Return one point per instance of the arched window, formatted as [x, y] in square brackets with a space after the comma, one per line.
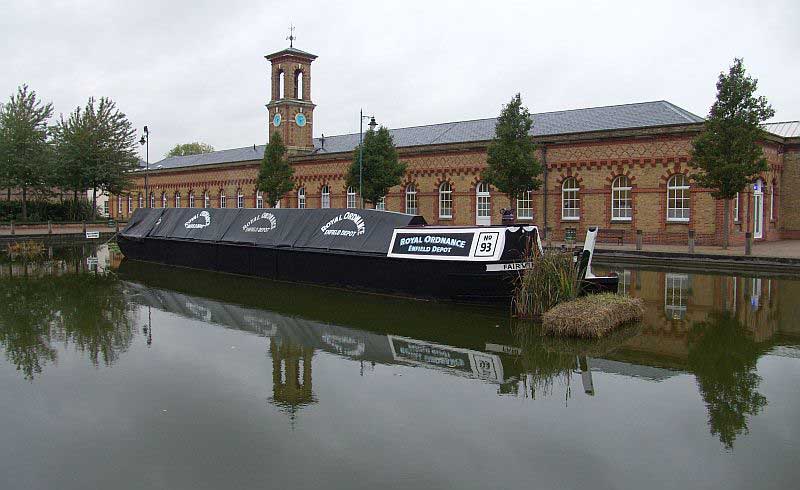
[298, 84]
[736, 207]
[445, 200]
[676, 295]
[177, 199]
[163, 199]
[130, 204]
[621, 201]
[139, 201]
[301, 198]
[281, 84]
[381, 204]
[152, 200]
[259, 200]
[190, 198]
[411, 199]
[239, 199]
[483, 200]
[570, 200]
[325, 202]
[119, 205]
[351, 197]
[222, 200]
[772, 201]
[525, 206]
[678, 198]
[206, 200]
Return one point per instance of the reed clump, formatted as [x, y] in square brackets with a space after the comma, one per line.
[592, 316]
[551, 279]
[27, 249]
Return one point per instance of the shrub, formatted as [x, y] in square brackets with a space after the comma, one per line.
[67, 210]
[553, 278]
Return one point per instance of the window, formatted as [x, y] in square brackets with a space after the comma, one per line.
[119, 205]
[621, 202]
[298, 84]
[570, 201]
[281, 84]
[190, 198]
[772, 202]
[525, 206]
[484, 204]
[325, 201]
[130, 204]
[676, 295]
[678, 198]
[381, 204]
[445, 200]
[139, 201]
[239, 199]
[222, 200]
[105, 208]
[163, 199]
[177, 199]
[351, 197]
[259, 200]
[411, 199]
[301, 198]
[736, 207]
[152, 200]
[206, 200]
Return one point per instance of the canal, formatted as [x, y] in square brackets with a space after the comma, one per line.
[116, 374]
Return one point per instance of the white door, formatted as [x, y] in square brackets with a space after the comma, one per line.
[758, 207]
[483, 211]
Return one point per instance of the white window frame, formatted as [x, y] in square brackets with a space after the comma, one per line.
[772, 201]
[381, 204]
[177, 199]
[130, 204]
[119, 205]
[190, 199]
[206, 200]
[140, 201]
[483, 201]
[163, 199]
[445, 200]
[351, 197]
[525, 205]
[676, 295]
[678, 193]
[301, 198]
[621, 195]
[259, 200]
[239, 199]
[152, 200]
[736, 208]
[223, 200]
[570, 200]
[105, 208]
[325, 197]
[411, 199]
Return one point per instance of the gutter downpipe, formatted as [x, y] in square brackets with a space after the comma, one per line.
[544, 189]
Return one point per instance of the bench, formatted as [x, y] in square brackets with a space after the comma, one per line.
[611, 234]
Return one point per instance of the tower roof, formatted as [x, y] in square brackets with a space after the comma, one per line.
[291, 51]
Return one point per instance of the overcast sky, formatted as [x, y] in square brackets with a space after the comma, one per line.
[194, 70]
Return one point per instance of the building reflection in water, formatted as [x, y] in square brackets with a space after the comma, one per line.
[292, 382]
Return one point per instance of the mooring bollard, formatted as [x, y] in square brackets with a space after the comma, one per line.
[49, 227]
[748, 243]
[12, 227]
[638, 239]
[691, 241]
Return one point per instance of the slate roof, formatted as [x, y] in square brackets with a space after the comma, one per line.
[627, 116]
[787, 129]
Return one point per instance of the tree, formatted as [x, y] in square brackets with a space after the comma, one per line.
[24, 147]
[379, 166]
[512, 166]
[96, 149]
[726, 155]
[275, 174]
[194, 148]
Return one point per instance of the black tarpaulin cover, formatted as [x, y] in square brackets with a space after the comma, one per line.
[141, 223]
[351, 230]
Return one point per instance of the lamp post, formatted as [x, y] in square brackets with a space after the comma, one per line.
[372, 125]
[146, 141]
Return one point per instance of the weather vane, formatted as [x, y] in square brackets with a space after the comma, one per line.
[291, 37]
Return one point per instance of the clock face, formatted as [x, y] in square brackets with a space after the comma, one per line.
[300, 119]
[276, 121]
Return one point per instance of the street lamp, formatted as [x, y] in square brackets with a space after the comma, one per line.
[146, 141]
[371, 125]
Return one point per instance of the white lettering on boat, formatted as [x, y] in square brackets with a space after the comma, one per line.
[269, 217]
[355, 218]
[189, 225]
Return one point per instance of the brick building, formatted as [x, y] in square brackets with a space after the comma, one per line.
[620, 167]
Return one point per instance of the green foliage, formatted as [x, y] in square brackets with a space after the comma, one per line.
[96, 148]
[723, 357]
[194, 148]
[39, 211]
[512, 166]
[552, 279]
[380, 167]
[25, 153]
[726, 155]
[275, 174]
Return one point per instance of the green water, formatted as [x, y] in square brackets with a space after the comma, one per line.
[144, 376]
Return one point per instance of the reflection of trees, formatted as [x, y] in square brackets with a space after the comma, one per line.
[87, 310]
[723, 357]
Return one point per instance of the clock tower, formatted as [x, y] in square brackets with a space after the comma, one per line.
[291, 112]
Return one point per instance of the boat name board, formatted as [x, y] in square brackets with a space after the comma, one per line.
[439, 244]
[511, 266]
